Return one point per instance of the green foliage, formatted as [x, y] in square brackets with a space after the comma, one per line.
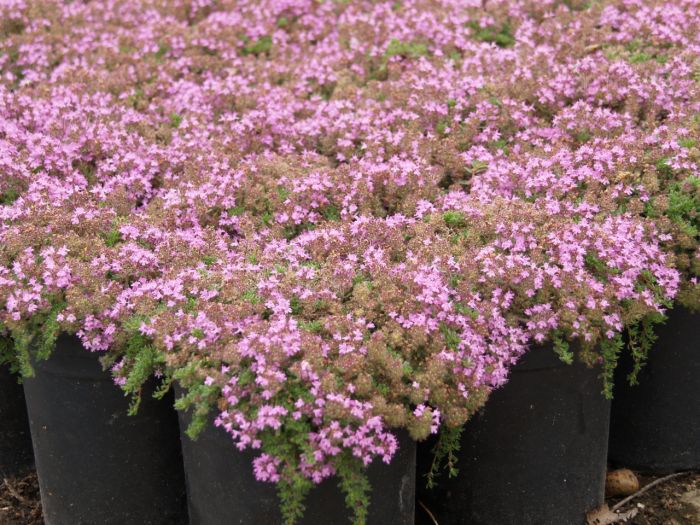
[452, 338]
[112, 238]
[8, 196]
[261, 46]
[577, 5]
[597, 267]
[406, 49]
[684, 204]
[190, 305]
[478, 166]
[378, 68]
[687, 143]
[21, 360]
[501, 144]
[331, 213]
[501, 37]
[236, 211]
[295, 305]
[162, 51]
[639, 57]
[582, 137]
[454, 219]
[355, 486]
[292, 491]
[251, 296]
[360, 278]
[288, 444]
[465, 310]
[267, 218]
[454, 280]
[36, 340]
[137, 99]
[663, 167]
[8, 353]
[175, 120]
[198, 398]
[445, 453]
[49, 331]
[562, 349]
[143, 359]
[610, 351]
[311, 326]
[641, 338]
[647, 281]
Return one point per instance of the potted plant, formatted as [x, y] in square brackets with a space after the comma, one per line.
[548, 425]
[82, 432]
[219, 480]
[653, 426]
[586, 150]
[330, 224]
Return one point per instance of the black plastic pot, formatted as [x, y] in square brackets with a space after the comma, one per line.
[96, 464]
[221, 487]
[655, 426]
[536, 453]
[16, 455]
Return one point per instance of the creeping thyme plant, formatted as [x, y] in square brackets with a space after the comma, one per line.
[332, 220]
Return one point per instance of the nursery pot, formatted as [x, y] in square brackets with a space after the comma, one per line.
[655, 425]
[221, 487]
[95, 463]
[535, 454]
[15, 441]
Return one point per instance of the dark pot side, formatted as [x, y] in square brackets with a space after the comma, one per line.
[221, 487]
[534, 455]
[95, 463]
[655, 425]
[16, 457]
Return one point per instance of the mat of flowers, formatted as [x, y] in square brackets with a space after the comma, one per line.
[330, 220]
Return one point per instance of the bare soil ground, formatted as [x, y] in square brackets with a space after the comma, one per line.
[19, 501]
[672, 502]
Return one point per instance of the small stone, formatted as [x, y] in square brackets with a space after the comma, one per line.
[621, 482]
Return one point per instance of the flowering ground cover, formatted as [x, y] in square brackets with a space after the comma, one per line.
[332, 220]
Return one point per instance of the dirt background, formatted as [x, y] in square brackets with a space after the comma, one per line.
[672, 502]
[19, 501]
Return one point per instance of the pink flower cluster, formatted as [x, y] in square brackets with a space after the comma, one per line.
[334, 219]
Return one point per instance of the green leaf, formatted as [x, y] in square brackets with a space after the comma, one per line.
[262, 45]
[112, 238]
[175, 120]
[454, 219]
[501, 37]
[561, 348]
[406, 49]
[610, 350]
[445, 451]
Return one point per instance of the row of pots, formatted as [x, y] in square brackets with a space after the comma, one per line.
[537, 453]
